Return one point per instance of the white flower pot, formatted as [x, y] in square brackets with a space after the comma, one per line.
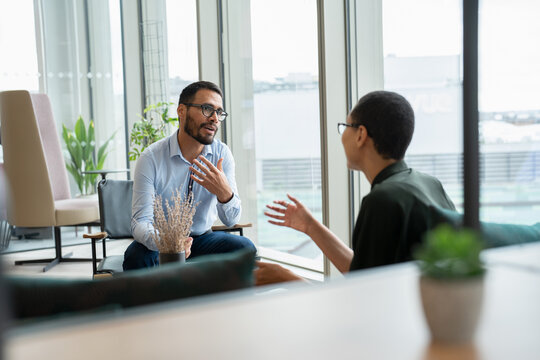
[452, 307]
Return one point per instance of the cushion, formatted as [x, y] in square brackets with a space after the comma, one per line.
[76, 211]
[115, 207]
[38, 297]
[494, 234]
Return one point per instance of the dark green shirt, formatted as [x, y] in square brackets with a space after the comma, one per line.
[395, 215]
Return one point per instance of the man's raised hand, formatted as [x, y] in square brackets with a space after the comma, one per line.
[212, 178]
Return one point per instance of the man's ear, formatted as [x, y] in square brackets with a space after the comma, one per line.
[361, 136]
[181, 112]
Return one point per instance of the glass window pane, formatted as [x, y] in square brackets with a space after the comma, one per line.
[84, 71]
[107, 79]
[286, 112]
[509, 101]
[426, 68]
[182, 46]
[115, 89]
[18, 63]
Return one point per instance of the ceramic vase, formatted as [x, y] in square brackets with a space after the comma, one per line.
[452, 307]
[165, 258]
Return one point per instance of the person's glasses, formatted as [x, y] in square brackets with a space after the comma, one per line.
[208, 111]
[342, 126]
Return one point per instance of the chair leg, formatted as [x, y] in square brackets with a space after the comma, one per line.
[94, 261]
[51, 261]
[51, 265]
[57, 243]
[58, 254]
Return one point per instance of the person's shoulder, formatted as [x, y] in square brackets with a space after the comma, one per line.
[406, 180]
[424, 176]
[158, 146]
[384, 192]
[155, 152]
[391, 191]
[409, 188]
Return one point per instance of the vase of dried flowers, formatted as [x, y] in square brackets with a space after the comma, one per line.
[171, 229]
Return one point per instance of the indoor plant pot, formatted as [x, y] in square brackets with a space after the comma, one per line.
[452, 307]
[165, 258]
[451, 284]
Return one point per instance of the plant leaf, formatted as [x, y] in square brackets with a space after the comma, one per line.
[80, 131]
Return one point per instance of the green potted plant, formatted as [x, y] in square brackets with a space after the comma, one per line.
[81, 146]
[451, 283]
[151, 127]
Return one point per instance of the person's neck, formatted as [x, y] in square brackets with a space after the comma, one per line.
[189, 147]
[375, 166]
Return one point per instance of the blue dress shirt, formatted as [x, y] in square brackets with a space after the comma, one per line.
[161, 169]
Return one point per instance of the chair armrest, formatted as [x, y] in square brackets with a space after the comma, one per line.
[98, 236]
[235, 227]
[104, 172]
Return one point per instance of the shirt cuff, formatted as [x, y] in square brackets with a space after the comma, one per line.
[233, 203]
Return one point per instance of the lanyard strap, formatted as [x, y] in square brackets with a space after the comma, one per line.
[190, 183]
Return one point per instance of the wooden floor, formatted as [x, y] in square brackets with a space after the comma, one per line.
[65, 269]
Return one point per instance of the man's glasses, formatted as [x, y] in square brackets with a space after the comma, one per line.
[208, 111]
[342, 126]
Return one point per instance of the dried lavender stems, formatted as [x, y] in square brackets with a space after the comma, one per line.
[171, 232]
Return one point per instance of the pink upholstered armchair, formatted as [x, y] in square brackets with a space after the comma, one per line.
[39, 193]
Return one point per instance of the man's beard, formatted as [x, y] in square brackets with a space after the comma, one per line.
[191, 129]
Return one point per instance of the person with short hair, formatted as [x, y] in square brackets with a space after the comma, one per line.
[190, 160]
[394, 216]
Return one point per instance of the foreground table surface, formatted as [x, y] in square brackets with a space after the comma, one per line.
[374, 314]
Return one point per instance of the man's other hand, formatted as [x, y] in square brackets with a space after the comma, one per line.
[268, 273]
[187, 246]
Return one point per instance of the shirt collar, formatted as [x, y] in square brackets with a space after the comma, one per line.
[174, 147]
[388, 171]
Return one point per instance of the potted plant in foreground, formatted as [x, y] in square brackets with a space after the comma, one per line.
[171, 230]
[451, 283]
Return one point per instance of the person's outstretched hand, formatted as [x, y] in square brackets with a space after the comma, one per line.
[294, 215]
[269, 273]
[187, 246]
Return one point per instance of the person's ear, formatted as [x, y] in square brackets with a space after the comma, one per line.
[361, 135]
[181, 112]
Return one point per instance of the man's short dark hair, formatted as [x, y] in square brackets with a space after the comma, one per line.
[389, 120]
[189, 91]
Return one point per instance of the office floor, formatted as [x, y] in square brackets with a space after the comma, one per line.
[65, 269]
[83, 270]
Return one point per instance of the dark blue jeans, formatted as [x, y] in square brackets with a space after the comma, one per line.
[138, 256]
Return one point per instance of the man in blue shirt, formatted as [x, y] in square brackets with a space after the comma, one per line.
[188, 160]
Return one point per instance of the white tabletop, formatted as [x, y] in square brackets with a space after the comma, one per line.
[374, 314]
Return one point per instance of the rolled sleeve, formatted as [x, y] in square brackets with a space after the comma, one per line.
[142, 216]
[229, 213]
